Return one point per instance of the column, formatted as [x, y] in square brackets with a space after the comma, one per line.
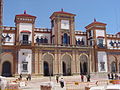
[78, 62]
[55, 63]
[36, 61]
[73, 65]
[60, 63]
[40, 63]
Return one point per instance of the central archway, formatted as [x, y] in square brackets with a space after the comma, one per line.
[6, 69]
[66, 65]
[83, 65]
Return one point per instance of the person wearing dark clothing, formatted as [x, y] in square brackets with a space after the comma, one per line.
[62, 83]
[108, 76]
[28, 77]
[57, 78]
[82, 78]
[88, 78]
[20, 76]
[116, 76]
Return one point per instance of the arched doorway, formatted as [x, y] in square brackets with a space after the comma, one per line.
[113, 67]
[83, 65]
[66, 65]
[64, 68]
[46, 68]
[6, 69]
[48, 64]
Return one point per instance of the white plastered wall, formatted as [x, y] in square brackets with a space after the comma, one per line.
[102, 57]
[26, 57]
[25, 26]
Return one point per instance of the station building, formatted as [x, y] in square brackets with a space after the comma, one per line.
[59, 50]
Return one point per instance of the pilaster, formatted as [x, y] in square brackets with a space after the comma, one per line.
[36, 61]
[40, 63]
[55, 64]
[73, 65]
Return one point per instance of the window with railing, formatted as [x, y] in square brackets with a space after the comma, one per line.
[65, 39]
[80, 42]
[100, 43]
[41, 40]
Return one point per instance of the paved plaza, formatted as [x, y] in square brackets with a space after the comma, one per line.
[71, 83]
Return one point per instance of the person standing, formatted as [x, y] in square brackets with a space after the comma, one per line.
[88, 78]
[108, 76]
[20, 76]
[57, 78]
[28, 77]
[112, 76]
[82, 78]
[61, 82]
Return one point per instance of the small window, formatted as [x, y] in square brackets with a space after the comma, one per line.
[25, 66]
[111, 43]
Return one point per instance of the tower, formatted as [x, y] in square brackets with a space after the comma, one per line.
[25, 29]
[96, 37]
[62, 24]
[25, 41]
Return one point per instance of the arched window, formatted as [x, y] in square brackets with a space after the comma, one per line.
[78, 42]
[41, 40]
[65, 39]
[68, 39]
[37, 39]
[111, 43]
[45, 40]
[82, 42]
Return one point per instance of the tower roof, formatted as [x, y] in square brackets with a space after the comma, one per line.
[25, 15]
[95, 23]
[62, 12]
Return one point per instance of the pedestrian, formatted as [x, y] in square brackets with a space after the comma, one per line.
[61, 82]
[88, 78]
[82, 78]
[112, 76]
[28, 77]
[108, 76]
[20, 76]
[57, 78]
[116, 76]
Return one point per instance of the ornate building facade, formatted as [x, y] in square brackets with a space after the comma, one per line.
[60, 50]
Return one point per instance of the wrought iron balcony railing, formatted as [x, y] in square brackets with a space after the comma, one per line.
[101, 45]
[23, 42]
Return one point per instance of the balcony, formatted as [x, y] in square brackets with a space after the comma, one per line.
[22, 42]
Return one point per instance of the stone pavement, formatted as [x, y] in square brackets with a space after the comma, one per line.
[35, 83]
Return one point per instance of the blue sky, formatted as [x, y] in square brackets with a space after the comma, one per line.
[106, 11]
